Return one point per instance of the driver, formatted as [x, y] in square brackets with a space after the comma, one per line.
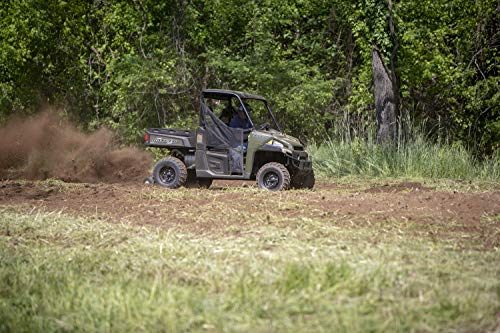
[240, 119]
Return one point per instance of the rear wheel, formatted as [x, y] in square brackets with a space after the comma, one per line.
[170, 172]
[273, 177]
[193, 182]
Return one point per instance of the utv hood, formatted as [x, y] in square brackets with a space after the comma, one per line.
[281, 137]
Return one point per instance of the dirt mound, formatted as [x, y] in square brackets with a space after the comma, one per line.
[405, 186]
[46, 146]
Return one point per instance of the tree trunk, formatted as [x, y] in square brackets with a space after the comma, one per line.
[386, 87]
[386, 99]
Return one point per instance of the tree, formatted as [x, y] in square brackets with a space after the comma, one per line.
[131, 64]
[386, 100]
[386, 88]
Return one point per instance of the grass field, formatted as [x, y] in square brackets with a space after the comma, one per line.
[279, 265]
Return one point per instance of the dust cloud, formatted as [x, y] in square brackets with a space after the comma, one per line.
[47, 146]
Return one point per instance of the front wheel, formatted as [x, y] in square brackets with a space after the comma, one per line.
[170, 172]
[273, 177]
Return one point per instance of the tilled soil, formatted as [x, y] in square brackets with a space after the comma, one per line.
[236, 206]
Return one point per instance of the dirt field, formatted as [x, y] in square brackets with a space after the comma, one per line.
[234, 207]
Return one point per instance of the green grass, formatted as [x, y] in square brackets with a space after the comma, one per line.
[419, 158]
[60, 273]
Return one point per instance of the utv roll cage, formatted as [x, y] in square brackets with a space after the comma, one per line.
[240, 96]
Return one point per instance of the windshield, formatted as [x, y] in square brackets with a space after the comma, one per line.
[260, 113]
[227, 108]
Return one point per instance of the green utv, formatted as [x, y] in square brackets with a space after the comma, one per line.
[238, 138]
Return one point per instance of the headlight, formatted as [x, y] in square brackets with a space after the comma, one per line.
[275, 143]
[284, 150]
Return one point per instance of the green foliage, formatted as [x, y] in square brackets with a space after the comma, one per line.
[280, 58]
[136, 64]
[454, 69]
[39, 48]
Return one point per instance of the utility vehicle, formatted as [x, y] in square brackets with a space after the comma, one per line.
[238, 137]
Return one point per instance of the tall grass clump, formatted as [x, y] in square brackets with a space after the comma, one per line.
[415, 156]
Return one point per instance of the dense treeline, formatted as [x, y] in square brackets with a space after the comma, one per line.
[130, 64]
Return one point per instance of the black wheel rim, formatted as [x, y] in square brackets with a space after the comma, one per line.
[167, 175]
[271, 180]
